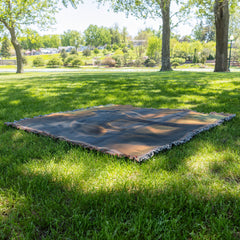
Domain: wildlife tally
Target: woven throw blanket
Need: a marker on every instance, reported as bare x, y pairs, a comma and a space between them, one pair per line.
123, 130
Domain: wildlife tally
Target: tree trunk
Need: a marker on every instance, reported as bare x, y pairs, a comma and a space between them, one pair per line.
17, 48
221, 12
165, 8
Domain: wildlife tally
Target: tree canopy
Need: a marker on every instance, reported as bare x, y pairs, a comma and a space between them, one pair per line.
71, 38
145, 9
97, 36
220, 10
5, 49
17, 15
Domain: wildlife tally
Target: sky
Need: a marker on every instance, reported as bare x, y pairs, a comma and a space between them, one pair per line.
88, 13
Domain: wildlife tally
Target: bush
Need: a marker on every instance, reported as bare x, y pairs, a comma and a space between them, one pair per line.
109, 61
138, 62
74, 51
119, 60
131, 46
109, 48
96, 50
73, 61
38, 62
115, 46
125, 50
178, 60
180, 54
130, 63
105, 52
175, 64
54, 62
68, 60
150, 62
118, 52
203, 59
126, 59
76, 62
97, 62
63, 54
86, 52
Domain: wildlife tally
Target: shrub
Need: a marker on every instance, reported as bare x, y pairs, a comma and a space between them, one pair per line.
138, 62
178, 60
119, 60
211, 57
118, 52
175, 64
125, 50
109, 61
96, 50
86, 52
54, 62
97, 62
115, 46
76, 62
131, 46
126, 59
63, 54
68, 60
105, 52
109, 48
203, 59
150, 62
38, 62
74, 51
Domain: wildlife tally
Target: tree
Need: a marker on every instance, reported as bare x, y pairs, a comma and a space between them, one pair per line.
31, 41
5, 49
124, 35
115, 35
51, 41
97, 36
165, 9
144, 9
15, 15
221, 10
205, 32
72, 38
234, 25
154, 48
144, 35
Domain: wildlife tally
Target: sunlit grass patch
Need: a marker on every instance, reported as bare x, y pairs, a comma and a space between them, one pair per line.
52, 190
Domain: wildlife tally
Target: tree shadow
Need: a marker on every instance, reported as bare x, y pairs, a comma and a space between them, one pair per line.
162, 198
51, 209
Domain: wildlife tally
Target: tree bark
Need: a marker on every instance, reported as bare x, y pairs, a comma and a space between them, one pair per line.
221, 12
17, 48
165, 8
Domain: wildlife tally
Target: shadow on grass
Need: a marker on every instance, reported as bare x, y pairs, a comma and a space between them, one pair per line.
48, 207
109, 198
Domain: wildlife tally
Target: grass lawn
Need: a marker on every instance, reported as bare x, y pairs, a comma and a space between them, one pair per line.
53, 190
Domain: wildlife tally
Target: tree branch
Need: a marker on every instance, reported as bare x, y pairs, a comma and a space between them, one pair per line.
5, 23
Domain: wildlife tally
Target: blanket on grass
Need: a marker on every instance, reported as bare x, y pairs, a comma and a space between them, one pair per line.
123, 130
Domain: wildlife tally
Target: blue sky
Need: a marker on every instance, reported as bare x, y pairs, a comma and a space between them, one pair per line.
89, 13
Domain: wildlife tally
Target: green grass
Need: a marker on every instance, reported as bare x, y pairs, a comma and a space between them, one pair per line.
53, 190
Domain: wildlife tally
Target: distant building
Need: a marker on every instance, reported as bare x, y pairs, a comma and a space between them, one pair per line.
137, 43
48, 50
82, 48
67, 48
33, 52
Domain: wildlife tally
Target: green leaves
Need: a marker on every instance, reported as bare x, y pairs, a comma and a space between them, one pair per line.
97, 36
21, 13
